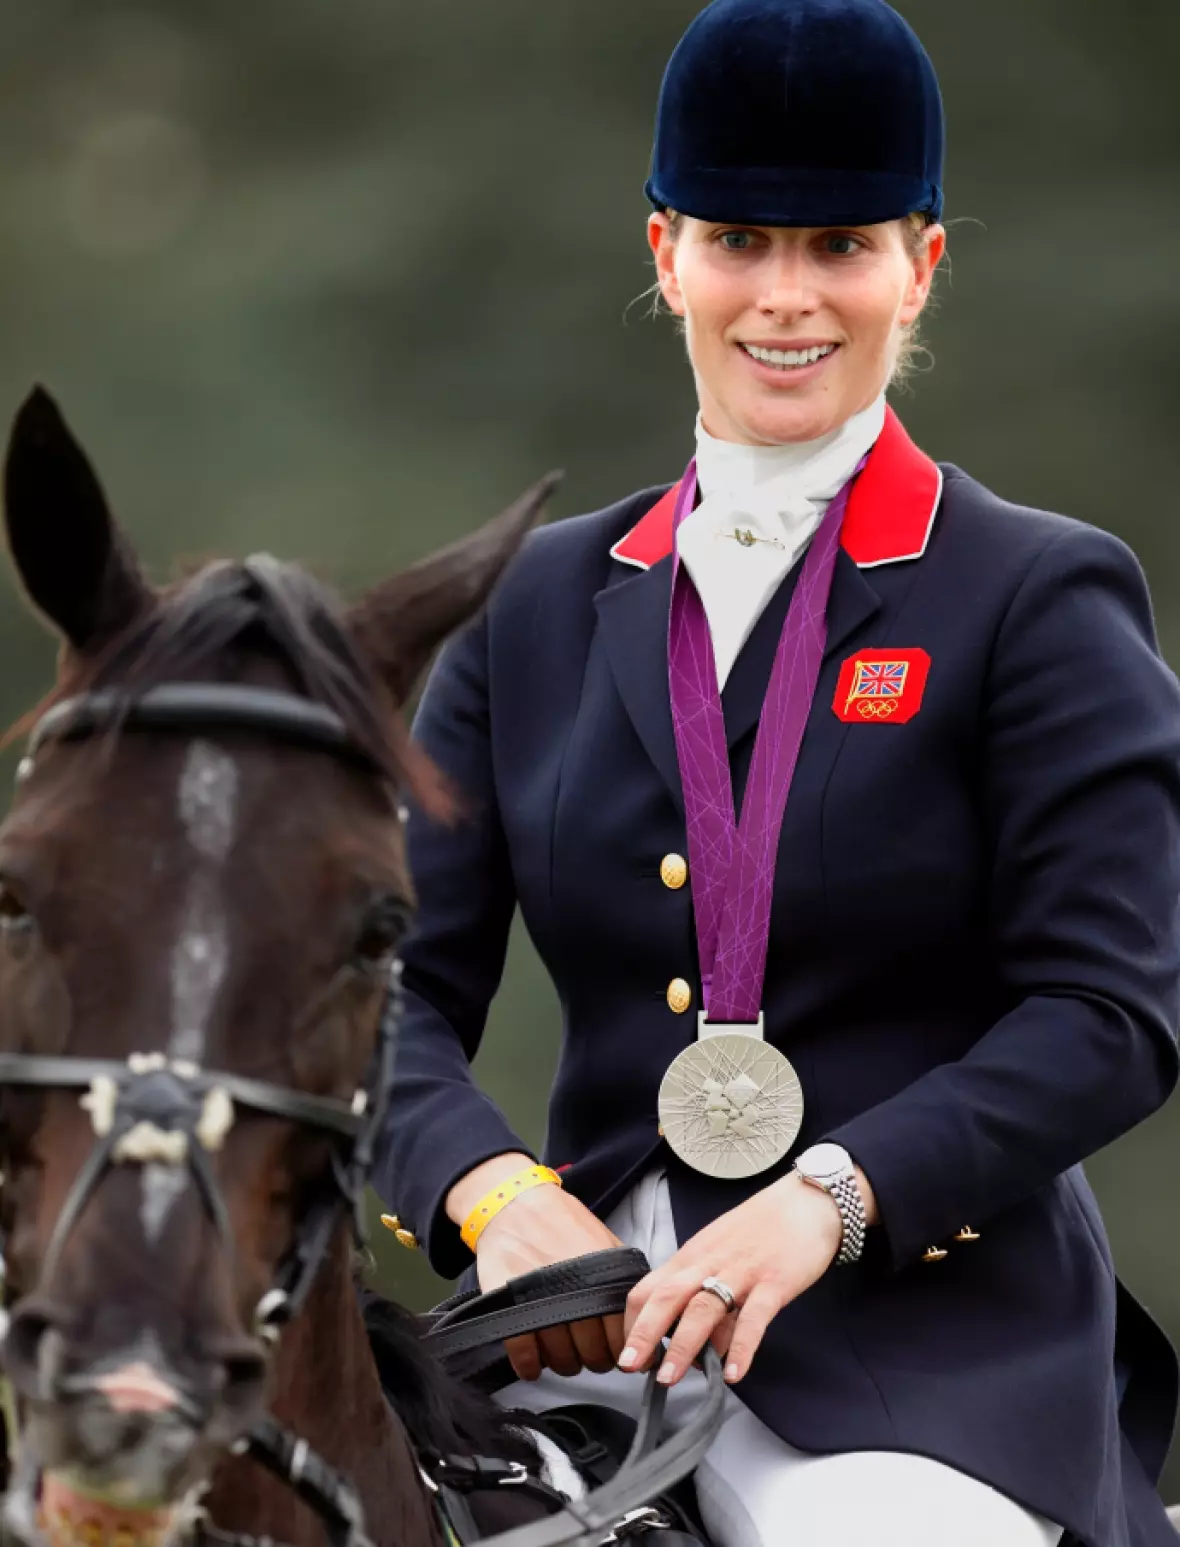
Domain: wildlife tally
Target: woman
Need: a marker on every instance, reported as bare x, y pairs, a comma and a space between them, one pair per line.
956, 961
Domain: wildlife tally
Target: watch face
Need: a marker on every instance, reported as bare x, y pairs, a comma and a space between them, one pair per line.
824, 1160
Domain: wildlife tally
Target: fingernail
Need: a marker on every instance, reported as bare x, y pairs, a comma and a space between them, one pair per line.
731, 1372
667, 1374
627, 1358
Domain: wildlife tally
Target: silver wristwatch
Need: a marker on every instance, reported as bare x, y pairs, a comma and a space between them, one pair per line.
830, 1167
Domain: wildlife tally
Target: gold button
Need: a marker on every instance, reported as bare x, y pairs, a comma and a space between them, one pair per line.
405, 1238
674, 871
679, 996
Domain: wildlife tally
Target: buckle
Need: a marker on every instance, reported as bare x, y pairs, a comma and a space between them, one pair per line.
646, 1518
467, 1473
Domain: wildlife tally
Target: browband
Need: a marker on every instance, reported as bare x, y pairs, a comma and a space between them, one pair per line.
201, 706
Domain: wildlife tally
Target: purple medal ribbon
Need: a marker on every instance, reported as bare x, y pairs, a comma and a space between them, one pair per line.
732, 865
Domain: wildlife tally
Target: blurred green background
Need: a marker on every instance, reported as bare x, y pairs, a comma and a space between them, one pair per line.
336, 278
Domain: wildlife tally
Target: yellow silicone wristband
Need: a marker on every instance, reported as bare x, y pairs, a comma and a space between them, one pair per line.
491, 1203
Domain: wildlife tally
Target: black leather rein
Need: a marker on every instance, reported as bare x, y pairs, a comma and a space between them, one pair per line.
467, 1334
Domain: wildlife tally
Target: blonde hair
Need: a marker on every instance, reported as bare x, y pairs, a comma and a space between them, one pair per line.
909, 346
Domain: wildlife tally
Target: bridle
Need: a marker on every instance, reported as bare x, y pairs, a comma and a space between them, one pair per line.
155, 1109
169, 1111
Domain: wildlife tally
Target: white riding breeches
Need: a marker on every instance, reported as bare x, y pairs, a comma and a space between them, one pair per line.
755, 1490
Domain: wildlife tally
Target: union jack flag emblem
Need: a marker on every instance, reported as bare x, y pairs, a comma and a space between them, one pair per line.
882, 687
879, 679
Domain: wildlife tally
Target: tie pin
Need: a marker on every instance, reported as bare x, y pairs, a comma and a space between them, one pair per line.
747, 538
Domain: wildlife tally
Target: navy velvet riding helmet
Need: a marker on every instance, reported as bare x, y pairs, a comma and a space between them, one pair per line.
799, 113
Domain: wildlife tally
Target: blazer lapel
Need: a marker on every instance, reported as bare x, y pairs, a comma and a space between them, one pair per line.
633, 622
749, 676
852, 603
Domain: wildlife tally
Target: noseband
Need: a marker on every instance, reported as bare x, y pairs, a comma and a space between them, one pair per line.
174, 1112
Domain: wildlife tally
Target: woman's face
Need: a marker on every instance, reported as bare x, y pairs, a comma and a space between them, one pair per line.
791, 331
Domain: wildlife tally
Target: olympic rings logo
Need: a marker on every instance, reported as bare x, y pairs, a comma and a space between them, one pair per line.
876, 708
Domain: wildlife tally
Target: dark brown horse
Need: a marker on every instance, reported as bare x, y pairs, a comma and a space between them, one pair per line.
227, 901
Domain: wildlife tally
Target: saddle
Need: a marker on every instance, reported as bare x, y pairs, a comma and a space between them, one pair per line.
640, 1485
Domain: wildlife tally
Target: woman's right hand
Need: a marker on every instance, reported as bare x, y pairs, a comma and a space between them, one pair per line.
542, 1226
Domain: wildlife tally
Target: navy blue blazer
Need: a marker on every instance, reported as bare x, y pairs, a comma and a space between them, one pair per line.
974, 958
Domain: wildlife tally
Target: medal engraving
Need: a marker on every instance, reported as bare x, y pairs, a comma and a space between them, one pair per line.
731, 1105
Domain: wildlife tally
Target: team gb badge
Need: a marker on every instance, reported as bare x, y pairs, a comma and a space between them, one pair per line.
881, 687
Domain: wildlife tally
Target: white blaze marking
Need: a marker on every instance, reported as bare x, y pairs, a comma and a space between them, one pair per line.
207, 802
161, 1185
199, 959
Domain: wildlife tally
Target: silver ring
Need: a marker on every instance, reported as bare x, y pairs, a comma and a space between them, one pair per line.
718, 1287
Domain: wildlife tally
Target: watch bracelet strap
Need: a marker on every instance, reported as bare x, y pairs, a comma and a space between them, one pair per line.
846, 1195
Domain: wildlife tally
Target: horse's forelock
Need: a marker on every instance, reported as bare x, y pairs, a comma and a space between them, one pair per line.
265, 606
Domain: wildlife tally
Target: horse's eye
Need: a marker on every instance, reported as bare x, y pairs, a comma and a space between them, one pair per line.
384, 926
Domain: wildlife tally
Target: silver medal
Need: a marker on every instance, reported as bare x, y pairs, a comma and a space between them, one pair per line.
731, 1105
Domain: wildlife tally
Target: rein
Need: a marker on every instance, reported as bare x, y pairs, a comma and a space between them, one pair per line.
467, 1334
174, 1112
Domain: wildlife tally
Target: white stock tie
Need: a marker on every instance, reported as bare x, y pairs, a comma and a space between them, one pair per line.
759, 509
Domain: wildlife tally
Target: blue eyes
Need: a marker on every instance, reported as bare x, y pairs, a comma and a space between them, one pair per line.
835, 244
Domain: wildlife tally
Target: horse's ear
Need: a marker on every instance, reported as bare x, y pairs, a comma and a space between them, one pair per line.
401, 621
75, 563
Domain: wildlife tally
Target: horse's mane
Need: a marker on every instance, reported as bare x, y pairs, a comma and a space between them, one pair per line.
231, 611
440, 1413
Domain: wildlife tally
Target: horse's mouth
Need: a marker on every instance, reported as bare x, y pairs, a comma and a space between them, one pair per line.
100, 1506
68, 1517
111, 1447
91, 1475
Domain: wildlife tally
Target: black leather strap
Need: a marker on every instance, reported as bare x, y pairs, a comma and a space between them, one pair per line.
319, 1485
585, 1524
467, 1332
604, 1280
197, 706
515, 1320
596, 1284
34, 1069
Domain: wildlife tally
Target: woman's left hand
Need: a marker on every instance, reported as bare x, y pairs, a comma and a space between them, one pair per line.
767, 1250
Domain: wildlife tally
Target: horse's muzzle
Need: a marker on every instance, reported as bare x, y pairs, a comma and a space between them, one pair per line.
123, 1427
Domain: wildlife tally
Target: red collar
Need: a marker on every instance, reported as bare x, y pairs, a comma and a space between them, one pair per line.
890, 514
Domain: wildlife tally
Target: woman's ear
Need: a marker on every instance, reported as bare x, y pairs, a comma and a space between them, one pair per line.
401, 622
925, 265
77, 567
661, 238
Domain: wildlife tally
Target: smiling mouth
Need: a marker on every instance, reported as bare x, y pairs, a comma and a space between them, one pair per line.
790, 359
